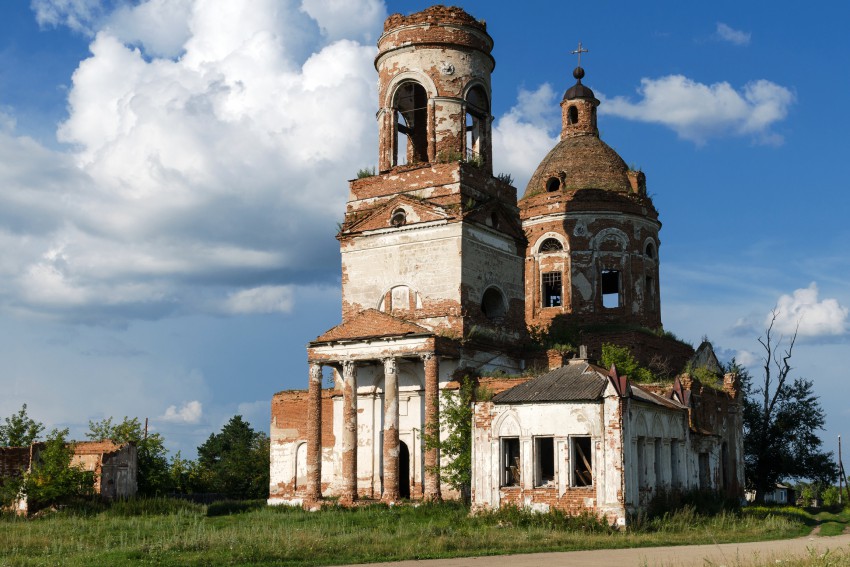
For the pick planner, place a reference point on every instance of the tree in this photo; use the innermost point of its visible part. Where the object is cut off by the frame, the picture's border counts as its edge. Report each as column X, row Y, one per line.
column 781, row 420
column 52, row 480
column 20, row 430
column 456, row 445
column 236, row 461
column 153, row 473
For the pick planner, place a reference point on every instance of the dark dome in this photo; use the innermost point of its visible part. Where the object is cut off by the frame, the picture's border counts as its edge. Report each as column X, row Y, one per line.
column 586, row 162
column 578, row 90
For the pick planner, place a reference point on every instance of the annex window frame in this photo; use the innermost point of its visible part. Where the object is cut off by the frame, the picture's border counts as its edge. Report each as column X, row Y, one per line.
column 581, row 453
column 511, row 474
column 552, row 289
column 544, row 461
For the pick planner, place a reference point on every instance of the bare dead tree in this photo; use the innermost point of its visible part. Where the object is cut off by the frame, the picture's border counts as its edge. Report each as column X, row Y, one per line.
column 781, row 419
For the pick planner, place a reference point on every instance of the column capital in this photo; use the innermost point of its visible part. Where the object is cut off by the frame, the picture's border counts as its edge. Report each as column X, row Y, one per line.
column 427, row 356
column 315, row 372
column 389, row 365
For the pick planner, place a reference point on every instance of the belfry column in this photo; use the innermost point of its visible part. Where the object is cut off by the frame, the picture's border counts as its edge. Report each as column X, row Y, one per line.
column 349, row 431
column 432, row 426
column 314, row 433
column 391, row 448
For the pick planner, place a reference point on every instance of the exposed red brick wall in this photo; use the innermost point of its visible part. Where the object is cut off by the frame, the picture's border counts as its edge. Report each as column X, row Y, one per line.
column 289, row 413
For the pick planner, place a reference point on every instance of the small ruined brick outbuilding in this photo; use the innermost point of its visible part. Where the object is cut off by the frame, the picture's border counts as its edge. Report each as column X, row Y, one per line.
column 444, row 272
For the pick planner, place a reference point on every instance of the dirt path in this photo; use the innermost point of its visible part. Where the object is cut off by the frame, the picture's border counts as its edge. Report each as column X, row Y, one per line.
column 683, row 556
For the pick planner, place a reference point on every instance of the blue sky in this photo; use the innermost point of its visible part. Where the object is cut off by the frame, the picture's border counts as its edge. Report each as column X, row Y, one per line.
column 172, row 173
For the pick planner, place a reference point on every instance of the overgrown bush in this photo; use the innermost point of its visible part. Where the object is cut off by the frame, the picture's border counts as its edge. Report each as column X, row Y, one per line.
column 52, row 480
column 626, row 364
column 514, row 516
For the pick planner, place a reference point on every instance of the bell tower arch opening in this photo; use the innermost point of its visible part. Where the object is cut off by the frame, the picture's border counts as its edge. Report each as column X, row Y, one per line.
column 477, row 125
column 410, row 120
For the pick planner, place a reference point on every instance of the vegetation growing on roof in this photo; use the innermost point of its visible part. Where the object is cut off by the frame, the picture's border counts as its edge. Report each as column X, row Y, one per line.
column 622, row 358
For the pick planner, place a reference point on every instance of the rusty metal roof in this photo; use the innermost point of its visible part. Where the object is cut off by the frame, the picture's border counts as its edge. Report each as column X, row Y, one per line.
column 578, row 381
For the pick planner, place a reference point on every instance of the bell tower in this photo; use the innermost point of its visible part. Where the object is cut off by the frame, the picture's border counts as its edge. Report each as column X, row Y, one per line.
column 434, row 89
column 433, row 237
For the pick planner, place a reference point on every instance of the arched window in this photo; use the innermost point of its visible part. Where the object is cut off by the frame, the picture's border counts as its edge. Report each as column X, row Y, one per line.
column 477, row 120
column 410, row 105
column 650, row 250
column 493, row 304
column 572, row 115
column 550, row 245
column 553, row 184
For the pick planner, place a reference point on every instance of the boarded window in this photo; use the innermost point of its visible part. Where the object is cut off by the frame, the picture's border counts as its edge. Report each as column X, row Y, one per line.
column 610, row 288
column 582, row 461
column 641, row 458
column 552, row 289
column 704, row 476
column 659, row 472
column 544, row 461
column 511, row 472
column 674, row 463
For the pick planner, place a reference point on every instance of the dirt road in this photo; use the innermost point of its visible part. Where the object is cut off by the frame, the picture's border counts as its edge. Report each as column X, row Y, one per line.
column 684, row 556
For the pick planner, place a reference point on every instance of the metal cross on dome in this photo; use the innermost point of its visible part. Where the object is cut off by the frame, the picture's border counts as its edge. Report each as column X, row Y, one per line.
column 578, row 52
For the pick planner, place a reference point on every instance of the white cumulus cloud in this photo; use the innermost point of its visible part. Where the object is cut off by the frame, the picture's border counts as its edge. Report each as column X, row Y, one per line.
column 207, row 147
column 816, row 318
column 698, row 112
column 189, row 412
column 730, row 34
column 525, row 134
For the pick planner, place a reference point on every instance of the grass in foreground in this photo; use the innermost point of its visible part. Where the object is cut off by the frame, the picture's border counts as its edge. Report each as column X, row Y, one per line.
column 164, row 532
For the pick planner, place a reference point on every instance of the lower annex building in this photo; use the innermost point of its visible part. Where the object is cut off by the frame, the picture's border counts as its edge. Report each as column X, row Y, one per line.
column 446, row 274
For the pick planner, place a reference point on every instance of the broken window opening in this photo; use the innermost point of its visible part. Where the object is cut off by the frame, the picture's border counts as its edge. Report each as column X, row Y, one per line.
column 650, row 250
column 550, row 245
column 553, row 184
column 610, row 289
column 493, row 304
column 552, row 289
column 582, row 462
column 410, row 106
column 544, row 461
column 477, row 118
column 572, row 115
column 511, row 472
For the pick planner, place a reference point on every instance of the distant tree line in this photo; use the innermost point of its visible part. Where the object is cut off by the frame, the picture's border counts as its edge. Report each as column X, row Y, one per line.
column 233, row 462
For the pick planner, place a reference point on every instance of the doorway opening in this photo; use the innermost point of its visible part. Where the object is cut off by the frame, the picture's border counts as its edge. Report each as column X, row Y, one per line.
column 403, row 470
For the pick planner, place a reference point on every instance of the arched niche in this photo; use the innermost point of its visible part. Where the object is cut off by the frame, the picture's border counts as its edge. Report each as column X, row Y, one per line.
column 494, row 305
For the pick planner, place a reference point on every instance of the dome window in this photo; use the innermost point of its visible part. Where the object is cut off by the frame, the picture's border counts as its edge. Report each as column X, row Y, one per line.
column 572, row 115
column 493, row 304
column 550, row 245
column 553, row 184
column 399, row 218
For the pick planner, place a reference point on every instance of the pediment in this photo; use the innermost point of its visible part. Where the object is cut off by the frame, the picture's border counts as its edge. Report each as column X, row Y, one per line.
column 404, row 208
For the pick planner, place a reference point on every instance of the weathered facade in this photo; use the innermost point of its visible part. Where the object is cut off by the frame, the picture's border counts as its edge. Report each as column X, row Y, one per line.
column 444, row 272
column 114, row 467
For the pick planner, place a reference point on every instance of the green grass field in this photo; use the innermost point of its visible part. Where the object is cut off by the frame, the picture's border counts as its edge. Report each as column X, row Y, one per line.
column 161, row 532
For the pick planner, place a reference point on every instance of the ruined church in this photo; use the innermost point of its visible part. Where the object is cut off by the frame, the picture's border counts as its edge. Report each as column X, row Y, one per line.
column 446, row 274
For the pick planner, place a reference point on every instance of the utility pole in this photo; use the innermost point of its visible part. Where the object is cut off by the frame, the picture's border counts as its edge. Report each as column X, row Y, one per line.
column 842, row 478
